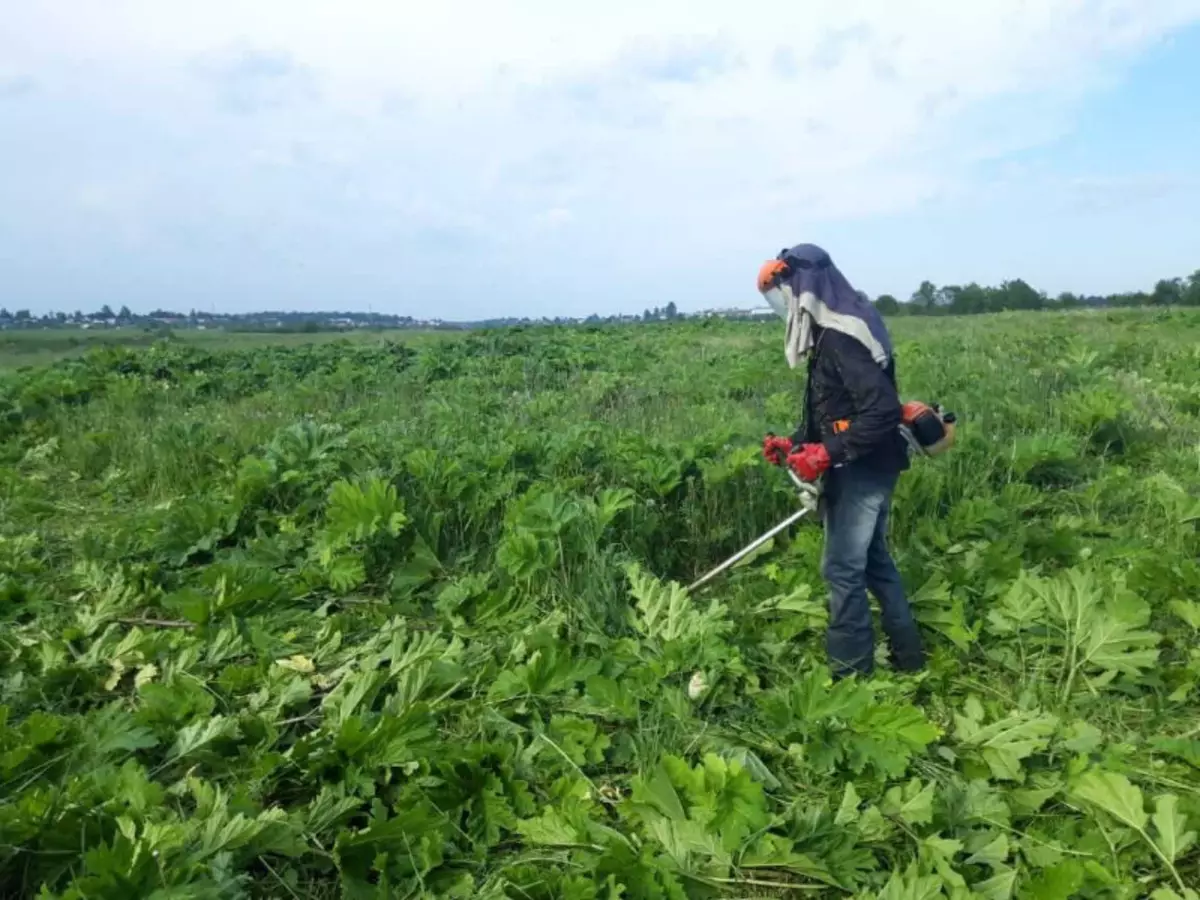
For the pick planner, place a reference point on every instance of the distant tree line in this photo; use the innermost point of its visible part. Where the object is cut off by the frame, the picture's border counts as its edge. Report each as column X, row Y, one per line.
column 61, row 318
column 971, row 299
column 251, row 321
column 926, row 300
column 670, row 311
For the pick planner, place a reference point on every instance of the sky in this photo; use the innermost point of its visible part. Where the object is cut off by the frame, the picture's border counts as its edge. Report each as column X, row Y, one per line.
column 542, row 158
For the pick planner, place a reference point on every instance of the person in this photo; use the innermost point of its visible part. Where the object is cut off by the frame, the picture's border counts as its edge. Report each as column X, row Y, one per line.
column 849, row 440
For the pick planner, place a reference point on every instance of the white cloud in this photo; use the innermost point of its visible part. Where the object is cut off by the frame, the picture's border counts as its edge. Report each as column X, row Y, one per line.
column 648, row 126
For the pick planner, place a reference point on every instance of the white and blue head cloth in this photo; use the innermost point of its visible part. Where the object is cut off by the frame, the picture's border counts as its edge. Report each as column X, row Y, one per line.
column 816, row 293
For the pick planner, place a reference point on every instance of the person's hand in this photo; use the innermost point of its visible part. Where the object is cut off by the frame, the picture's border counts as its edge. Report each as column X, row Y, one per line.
column 810, row 461
column 776, row 449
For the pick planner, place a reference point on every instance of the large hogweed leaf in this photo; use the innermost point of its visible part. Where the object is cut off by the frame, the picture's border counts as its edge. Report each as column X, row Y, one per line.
column 357, row 512
column 888, row 735
column 545, row 525
column 1092, row 623
column 303, row 456
column 937, row 607
column 1172, row 837
column 526, row 556
column 579, row 739
column 1006, row 742
column 909, row 884
column 609, row 504
column 1115, row 795
column 548, row 671
column 396, row 846
column 701, row 816
column 104, row 596
column 829, row 725
column 201, row 733
column 666, row 613
column 358, row 517
column 911, row 803
column 681, row 633
column 185, row 857
column 573, row 820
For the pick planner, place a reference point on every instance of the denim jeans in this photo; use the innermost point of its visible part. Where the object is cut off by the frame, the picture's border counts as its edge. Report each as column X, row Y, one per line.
column 856, row 558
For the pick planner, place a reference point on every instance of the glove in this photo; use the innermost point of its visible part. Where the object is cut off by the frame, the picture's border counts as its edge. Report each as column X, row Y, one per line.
column 810, row 461
column 775, row 449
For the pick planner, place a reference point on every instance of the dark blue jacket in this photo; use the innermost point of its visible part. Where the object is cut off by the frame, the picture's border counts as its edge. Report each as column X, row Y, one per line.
column 852, row 406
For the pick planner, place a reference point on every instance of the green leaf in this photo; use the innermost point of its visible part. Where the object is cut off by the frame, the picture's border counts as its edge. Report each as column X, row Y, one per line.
column 550, row 829
column 911, row 885
column 409, row 842
column 937, row 608
column 941, row 853
column 611, row 502
column 872, row 826
column 1004, row 744
column 579, row 739
column 724, row 806
column 1083, row 737
column 39, row 728
column 1028, row 801
column 614, row 699
column 999, row 887
column 848, row 812
column 1168, row 894
column 754, row 765
column 666, row 613
column 1086, row 621
column 342, row 703
column 1185, row 749
column 201, row 733
column 421, row 567
column 112, row 729
column 1102, row 623
column 943, row 847
column 989, row 850
column 1188, row 611
column 984, row 804
column 221, row 832
column 357, row 512
column 1173, row 839
column 912, row 803
column 345, row 571
column 658, row 792
column 1115, row 795
column 329, row 809
column 1059, row 882
column 888, row 736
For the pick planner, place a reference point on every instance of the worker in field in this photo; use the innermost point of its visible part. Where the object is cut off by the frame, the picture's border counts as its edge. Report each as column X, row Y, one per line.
column 849, row 439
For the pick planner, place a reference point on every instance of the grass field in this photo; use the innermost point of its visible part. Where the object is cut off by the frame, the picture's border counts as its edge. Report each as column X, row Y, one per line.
column 371, row 619
column 36, row 347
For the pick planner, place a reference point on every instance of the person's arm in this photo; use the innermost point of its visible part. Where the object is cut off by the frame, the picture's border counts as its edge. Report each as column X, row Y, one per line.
column 876, row 401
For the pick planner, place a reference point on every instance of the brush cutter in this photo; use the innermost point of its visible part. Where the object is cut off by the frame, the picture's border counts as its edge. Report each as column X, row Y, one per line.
column 808, row 504
column 928, row 430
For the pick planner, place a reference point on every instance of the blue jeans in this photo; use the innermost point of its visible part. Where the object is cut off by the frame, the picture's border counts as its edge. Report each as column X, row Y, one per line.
column 856, row 559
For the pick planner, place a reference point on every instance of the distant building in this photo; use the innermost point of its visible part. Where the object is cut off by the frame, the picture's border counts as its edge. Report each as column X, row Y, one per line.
column 757, row 313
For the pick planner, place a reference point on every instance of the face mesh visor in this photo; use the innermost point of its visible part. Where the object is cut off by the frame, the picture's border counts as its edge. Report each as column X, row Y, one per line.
column 777, row 297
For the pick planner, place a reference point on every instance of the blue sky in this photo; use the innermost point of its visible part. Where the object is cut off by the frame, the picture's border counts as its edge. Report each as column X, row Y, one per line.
column 530, row 157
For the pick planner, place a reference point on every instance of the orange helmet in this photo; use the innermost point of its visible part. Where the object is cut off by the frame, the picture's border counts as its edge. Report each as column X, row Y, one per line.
column 770, row 273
